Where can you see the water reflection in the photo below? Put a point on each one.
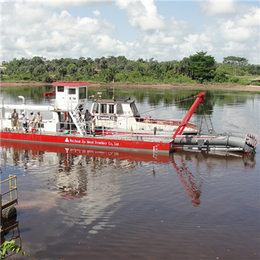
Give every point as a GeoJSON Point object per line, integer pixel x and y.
{"type": "Point", "coordinates": [182, 99]}
{"type": "Point", "coordinates": [77, 189]}
{"type": "Point", "coordinates": [75, 169]}
{"type": "Point", "coordinates": [80, 194]}
{"type": "Point", "coordinates": [192, 181]}
{"type": "Point", "coordinates": [31, 94]}
{"type": "Point", "coordinates": [189, 182]}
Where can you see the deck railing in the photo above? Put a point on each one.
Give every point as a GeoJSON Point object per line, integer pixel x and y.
{"type": "Point", "coordinates": [10, 196]}
{"type": "Point", "coordinates": [70, 128]}
{"type": "Point", "coordinates": [9, 226]}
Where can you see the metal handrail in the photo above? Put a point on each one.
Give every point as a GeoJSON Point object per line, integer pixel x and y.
{"type": "Point", "coordinates": [11, 188]}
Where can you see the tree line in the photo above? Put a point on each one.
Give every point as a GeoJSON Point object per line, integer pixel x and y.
{"type": "Point", "coordinates": [197, 68]}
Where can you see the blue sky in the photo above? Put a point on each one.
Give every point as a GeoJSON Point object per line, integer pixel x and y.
{"type": "Point", "coordinates": [163, 30]}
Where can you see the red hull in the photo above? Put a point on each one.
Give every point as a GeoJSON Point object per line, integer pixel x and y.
{"type": "Point", "coordinates": [90, 142]}
{"type": "Point", "coordinates": [137, 157]}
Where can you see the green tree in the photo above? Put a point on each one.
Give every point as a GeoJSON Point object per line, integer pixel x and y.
{"type": "Point", "coordinates": [235, 61]}
{"type": "Point", "coordinates": [130, 66]}
{"type": "Point", "coordinates": [112, 72]}
{"type": "Point", "coordinates": [220, 77]}
{"type": "Point", "coordinates": [254, 69]}
{"type": "Point", "coordinates": [103, 64]}
{"type": "Point", "coordinates": [199, 67]}
{"type": "Point", "coordinates": [72, 68]}
{"type": "Point", "coordinates": [39, 70]}
{"type": "Point", "coordinates": [121, 62]}
{"type": "Point", "coordinates": [37, 61]}
{"type": "Point", "coordinates": [184, 67]}
{"type": "Point", "coordinates": [81, 62]}
{"type": "Point", "coordinates": [62, 71]}
{"type": "Point", "coordinates": [202, 67]}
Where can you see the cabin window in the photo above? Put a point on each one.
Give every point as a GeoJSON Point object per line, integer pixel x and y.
{"type": "Point", "coordinates": [72, 91]}
{"type": "Point", "coordinates": [119, 109]}
{"type": "Point", "coordinates": [82, 93]}
{"type": "Point", "coordinates": [96, 108]}
{"type": "Point", "coordinates": [134, 110]}
{"type": "Point", "coordinates": [111, 109]}
{"type": "Point", "coordinates": [60, 88]}
{"type": "Point", "coordinates": [103, 108]}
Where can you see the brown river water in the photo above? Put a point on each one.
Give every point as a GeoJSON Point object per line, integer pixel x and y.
{"type": "Point", "coordinates": [94, 204]}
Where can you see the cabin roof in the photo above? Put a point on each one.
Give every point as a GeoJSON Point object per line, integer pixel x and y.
{"type": "Point", "coordinates": [115, 101]}
{"type": "Point", "coordinates": [64, 83]}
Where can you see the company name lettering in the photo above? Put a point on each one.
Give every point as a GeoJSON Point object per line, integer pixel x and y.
{"type": "Point", "coordinates": [94, 142]}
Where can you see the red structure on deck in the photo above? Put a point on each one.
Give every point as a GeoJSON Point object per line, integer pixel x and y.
{"type": "Point", "coordinates": [200, 99]}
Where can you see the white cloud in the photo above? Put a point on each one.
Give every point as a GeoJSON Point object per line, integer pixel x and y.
{"type": "Point", "coordinates": [37, 28]}
{"type": "Point", "coordinates": [231, 32]}
{"type": "Point", "coordinates": [195, 43]}
{"type": "Point", "coordinates": [96, 13]}
{"type": "Point", "coordinates": [240, 34]}
{"type": "Point", "coordinates": [46, 32]}
{"type": "Point", "coordinates": [105, 43]}
{"type": "Point", "coordinates": [62, 3]}
{"type": "Point", "coordinates": [142, 14]}
{"type": "Point", "coordinates": [21, 44]}
{"type": "Point", "coordinates": [17, 20]}
{"type": "Point", "coordinates": [218, 7]}
{"type": "Point", "coordinates": [250, 18]}
{"type": "Point", "coordinates": [236, 29]}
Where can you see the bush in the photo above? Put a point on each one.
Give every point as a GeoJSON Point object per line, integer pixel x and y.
{"type": "Point", "coordinates": [244, 81]}
{"type": "Point", "coordinates": [233, 80]}
{"type": "Point", "coordinates": [256, 83]}
{"type": "Point", "coordinates": [220, 77]}
{"type": "Point", "coordinates": [46, 78]}
{"type": "Point", "coordinates": [172, 78]}
{"type": "Point", "coordinates": [9, 245]}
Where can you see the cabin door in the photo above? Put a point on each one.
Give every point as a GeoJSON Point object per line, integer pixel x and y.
{"type": "Point", "coordinates": [72, 98]}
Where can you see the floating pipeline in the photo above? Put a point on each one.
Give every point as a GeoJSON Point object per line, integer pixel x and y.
{"type": "Point", "coordinates": [226, 143]}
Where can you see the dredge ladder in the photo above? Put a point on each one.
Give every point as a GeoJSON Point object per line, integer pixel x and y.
{"type": "Point", "coordinates": [212, 141]}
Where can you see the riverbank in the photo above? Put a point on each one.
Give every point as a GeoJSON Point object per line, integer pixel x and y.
{"type": "Point", "coordinates": [151, 86]}
{"type": "Point", "coordinates": [169, 86]}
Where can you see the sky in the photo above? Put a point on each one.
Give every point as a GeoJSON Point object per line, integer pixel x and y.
{"type": "Point", "coordinates": [148, 29]}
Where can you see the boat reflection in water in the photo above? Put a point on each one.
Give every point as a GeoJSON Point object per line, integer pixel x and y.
{"type": "Point", "coordinates": [83, 194]}
{"type": "Point", "coordinates": [192, 181]}
{"type": "Point", "coordinates": [86, 181]}
{"type": "Point", "coordinates": [73, 163]}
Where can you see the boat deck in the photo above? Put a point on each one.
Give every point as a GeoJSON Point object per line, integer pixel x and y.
{"type": "Point", "coordinates": [119, 136]}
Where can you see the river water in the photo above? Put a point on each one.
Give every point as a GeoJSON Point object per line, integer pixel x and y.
{"type": "Point", "coordinates": [94, 204]}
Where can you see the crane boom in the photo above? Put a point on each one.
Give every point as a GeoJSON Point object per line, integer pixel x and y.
{"type": "Point", "coordinates": [200, 99]}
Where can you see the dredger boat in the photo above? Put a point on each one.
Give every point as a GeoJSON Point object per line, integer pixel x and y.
{"type": "Point", "coordinates": [115, 124]}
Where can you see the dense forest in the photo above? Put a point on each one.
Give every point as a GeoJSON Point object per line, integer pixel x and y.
{"type": "Point", "coordinates": [198, 68]}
